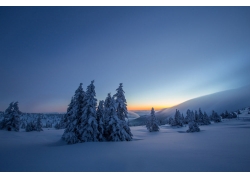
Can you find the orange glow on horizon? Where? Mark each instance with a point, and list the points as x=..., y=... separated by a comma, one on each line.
x=141, y=108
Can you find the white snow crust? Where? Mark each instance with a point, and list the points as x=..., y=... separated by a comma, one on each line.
x=223, y=147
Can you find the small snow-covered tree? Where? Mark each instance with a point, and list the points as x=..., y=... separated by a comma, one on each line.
x=48, y=124
x=200, y=117
x=226, y=114
x=222, y=115
x=152, y=124
x=71, y=134
x=31, y=126
x=183, y=120
x=192, y=124
x=23, y=125
x=188, y=116
x=196, y=116
x=170, y=120
x=88, y=126
x=177, y=121
x=234, y=115
x=215, y=117
x=39, y=124
x=11, y=120
x=206, y=119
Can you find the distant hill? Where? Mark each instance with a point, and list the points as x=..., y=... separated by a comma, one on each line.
x=230, y=100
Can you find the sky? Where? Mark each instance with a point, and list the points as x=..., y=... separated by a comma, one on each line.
x=162, y=55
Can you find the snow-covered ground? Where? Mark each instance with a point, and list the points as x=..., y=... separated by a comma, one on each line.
x=222, y=146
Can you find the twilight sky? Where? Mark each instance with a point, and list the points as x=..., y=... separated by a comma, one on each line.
x=162, y=55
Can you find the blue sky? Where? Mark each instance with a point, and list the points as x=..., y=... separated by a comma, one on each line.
x=162, y=55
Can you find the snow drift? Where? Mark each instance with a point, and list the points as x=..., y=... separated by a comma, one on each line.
x=219, y=147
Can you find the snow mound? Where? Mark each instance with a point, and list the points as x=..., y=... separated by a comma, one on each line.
x=230, y=100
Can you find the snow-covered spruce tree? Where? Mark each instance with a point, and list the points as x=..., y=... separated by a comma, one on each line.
x=31, y=126
x=196, y=116
x=183, y=119
x=200, y=117
x=88, y=126
x=177, y=119
x=216, y=117
x=71, y=134
x=11, y=121
x=39, y=124
x=206, y=119
x=61, y=124
x=152, y=124
x=6, y=116
x=234, y=115
x=170, y=121
x=192, y=124
x=100, y=120
x=121, y=109
x=226, y=115
x=114, y=130
x=48, y=124
x=222, y=115
x=121, y=103
x=188, y=116
x=68, y=116
x=23, y=125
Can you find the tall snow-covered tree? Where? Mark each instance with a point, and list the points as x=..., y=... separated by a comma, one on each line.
x=121, y=109
x=114, y=130
x=68, y=116
x=121, y=103
x=88, y=126
x=11, y=120
x=100, y=120
x=71, y=134
x=152, y=124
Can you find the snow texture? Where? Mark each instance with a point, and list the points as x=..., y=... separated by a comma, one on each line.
x=219, y=147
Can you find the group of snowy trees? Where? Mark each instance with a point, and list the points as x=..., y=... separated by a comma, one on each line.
x=228, y=115
x=193, y=119
x=11, y=120
x=85, y=122
x=34, y=125
x=199, y=117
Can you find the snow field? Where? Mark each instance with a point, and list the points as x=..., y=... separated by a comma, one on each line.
x=222, y=147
